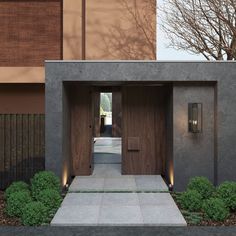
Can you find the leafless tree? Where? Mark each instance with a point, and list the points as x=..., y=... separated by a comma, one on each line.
x=206, y=27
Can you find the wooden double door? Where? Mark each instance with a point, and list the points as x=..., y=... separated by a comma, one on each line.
x=142, y=129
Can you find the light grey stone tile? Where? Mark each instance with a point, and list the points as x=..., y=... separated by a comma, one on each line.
x=113, y=170
x=99, y=170
x=76, y=215
x=162, y=215
x=155, y=199
x=82, y=199
x=86, y=184
x=120, y=184
x=120, y=215
x=107, y=170
x=120, y=199
x=107, y=158
x=150, y=183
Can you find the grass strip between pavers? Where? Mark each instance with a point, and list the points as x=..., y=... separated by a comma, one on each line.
x=117, y=191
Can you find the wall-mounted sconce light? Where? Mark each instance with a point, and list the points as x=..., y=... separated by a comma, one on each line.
x=195, y=117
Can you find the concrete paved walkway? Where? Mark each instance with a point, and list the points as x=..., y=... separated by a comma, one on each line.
x=109, y=198
x=107, y=178
x=127, y=209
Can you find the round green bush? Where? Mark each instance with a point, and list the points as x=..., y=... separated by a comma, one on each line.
x=191, y=200
x=50, y=198
x=16, y=187
x=16, y=202
x=215, y=209
x=44, y=180
x=201, y=185
x=227, y=192
x=34, y=214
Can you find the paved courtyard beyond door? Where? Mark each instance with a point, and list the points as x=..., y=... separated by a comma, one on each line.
x=109, y=198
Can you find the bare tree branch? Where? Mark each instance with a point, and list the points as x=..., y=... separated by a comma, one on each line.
x=206, y=27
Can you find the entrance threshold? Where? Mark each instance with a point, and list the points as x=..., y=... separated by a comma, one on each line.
x=107, y=178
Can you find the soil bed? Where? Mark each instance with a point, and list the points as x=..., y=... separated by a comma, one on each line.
x=4, y=219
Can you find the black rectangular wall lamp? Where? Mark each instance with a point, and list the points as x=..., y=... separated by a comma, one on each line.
x=195, y=117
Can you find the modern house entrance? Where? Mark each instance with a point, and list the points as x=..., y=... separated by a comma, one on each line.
x=209, y=153
x=139, y=117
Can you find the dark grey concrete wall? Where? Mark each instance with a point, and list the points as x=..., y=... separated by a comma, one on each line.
x=193, y=153
x=222, y=73
x=67, y=157
x=169, y=167
x=53, y=126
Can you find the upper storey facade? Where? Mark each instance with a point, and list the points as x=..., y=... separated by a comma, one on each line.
x=37, y=30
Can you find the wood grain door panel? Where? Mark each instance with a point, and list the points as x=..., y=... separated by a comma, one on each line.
x=143, y=130
x=82, y=130
x=116, y=112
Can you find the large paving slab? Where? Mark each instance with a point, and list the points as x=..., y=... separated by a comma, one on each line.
x=108, y=177
x=127, y=209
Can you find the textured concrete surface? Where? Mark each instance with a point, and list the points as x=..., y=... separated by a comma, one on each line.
x=195, y=152
x=220, y=74
x=107, y=177
x=118, y=231
x=118, y=209
x=107, y=150
x=109, y=198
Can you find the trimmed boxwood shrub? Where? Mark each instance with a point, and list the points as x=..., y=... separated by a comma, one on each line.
x=16, y=202
x=202, y=185
x=16, y=187
x=34, y=213
x=227, y=192
x=44, y=180
x=215, y=209
x=50, y=198
x=191, y=200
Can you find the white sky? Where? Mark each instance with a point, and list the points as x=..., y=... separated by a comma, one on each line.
x=165, y=53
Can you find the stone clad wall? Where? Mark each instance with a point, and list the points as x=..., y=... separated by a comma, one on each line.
x=214, y=151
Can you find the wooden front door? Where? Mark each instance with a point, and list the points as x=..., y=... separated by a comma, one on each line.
x=82, y=129
x=143, y=130
x=116, y=112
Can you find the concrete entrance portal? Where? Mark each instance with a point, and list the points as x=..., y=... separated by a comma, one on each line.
x=139, y=114
x=210, y=153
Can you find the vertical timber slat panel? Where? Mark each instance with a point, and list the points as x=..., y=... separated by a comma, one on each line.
x=96, y=106
x=22, y=146
x=19, y=145
x=116, y=113
x=31, y=142
x=41, y=140
x=2, y=149
x=36, y=138
x=25, y=144
x=7, y=148
x=13, y=148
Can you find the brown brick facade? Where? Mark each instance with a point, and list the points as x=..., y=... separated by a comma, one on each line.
x=30, y=32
